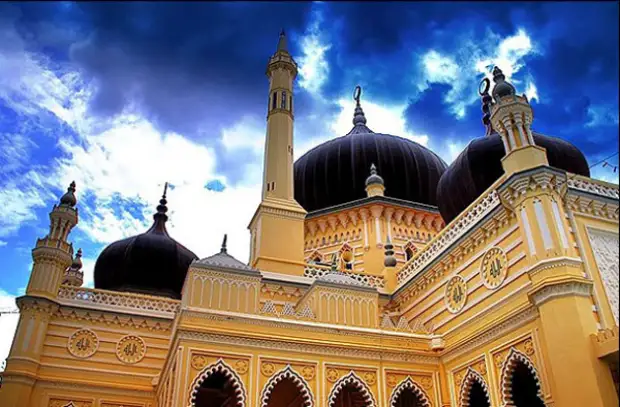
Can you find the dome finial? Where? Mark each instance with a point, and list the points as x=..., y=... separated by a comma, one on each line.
x=483, y=90
x=502, y=88
x=358, y=117
x=69, y=199
x=76, y=265
x=223, y=249
x=161, y=217
x=374, y=178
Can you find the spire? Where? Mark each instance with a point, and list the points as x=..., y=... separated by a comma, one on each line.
x=69, y=199
x=374, y=178
x=282, y=45
x=389, y=260
x=502, y=88
x=77, y=261
x=359, y=119
x=160, y=216
x=483, y=90
x=223, y=249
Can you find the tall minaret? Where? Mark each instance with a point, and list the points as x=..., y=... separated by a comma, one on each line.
x=277, y=227
x=53, y=254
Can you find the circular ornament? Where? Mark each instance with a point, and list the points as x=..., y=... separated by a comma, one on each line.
x=332, y=375
x=456, y=294
x=494, y=268
x=267, y=369
x=484, y=86
x=308, y=372
x=83, y=343
x=130, y=349
x=241, y=366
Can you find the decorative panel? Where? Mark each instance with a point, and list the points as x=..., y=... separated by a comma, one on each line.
x=605, y=247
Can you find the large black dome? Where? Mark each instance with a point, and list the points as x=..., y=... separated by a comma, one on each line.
x=335, y=172
x=149, y=263
x=479, y=165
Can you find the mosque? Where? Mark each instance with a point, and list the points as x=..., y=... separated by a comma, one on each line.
x=378, y=276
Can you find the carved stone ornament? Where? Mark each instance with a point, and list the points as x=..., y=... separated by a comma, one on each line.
x=83, y=343
x=370, y=378
x=130, y=349
x=528, y=346
x=494, y=267
x=605, y=247
x=426, y=382
x=198, y=361
x=307, y=372
x=69, y=403
x=391, y=380
x=332, y=375
x=241, y=366
x=267, y=369
x=456, y=294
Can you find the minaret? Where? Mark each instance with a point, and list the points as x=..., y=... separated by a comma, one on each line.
x=74, y=274
x=511, y=116
x=277, y=227
x=53, y=254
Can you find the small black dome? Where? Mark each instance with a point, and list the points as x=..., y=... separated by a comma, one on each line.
x=335, y=172
x=69, y=199
x=479, y=165
x=149, y=263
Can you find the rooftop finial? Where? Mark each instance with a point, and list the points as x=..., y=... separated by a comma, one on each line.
x=69, y=199
x=77, y=261
x=483, y=90
x=374, y=178
x=282, y=46
x=502, y=88
x=224, y=250
x=162, y=208
x=358, y=117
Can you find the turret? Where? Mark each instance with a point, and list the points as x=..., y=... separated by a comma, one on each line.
x=74, y=274
x=374, y=183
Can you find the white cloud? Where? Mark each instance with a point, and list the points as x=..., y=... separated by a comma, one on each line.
x=312, y=64
x=602, y=115
x=247, y=133
x=461, y=70
x=3, y=243
x=8, y=324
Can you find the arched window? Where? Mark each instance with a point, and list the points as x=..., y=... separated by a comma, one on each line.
x=409, y=394
x=290, y=103
x=283, y=101
x=218, y=386
x=287, y=389
x=274, y=100
x=350, y=391
x=525, y=388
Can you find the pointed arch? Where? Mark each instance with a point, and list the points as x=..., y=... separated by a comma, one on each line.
x=219, y=367
x=508, y=367
x=468, y=381
x=358, y=383
x=300, y=383
x=315, y=257
x=410, y=250
x=409, y=384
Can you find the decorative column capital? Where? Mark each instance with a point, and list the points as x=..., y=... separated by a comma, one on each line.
x=376, y=211
x=364, y=214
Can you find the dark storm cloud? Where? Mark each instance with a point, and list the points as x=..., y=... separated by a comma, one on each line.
x=185, y=65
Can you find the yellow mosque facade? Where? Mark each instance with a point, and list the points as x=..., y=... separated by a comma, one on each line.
x=378, y=276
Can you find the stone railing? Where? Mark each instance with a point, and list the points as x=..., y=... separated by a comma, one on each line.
x=450, y=234
x=315, y=271
x=105, y=300
x=593, y=187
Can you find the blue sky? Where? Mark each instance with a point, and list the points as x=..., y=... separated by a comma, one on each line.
x=122, y=97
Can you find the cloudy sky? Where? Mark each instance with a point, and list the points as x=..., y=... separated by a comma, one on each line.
x=122, y=97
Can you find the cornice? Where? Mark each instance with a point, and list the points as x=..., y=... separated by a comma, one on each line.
x=551, y=288
x=544, y=178
x=321, y=349
x=593, y=187
x=370, y=201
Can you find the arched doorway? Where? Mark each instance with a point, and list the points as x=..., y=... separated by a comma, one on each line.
x=520, y=382
x=409, y=394
x=218, y=386
x=474, y=391
x=286, y=389
x=351, y=391
x=525, y=388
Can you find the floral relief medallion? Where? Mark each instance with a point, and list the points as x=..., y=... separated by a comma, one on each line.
x=456, y=294
x=130, y=349
x=482, y=368
x=426, y=382
x=499, y=360
x=332, y=375
x=198, y=362
x=391, y=380
x=494, y=267
x=241, y=366
x=370, y=378
x=267, y=369
x=307, y=372
x=528, y=346
x=83, y=343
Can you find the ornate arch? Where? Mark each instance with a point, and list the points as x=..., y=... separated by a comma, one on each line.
x=414, y=387
x=288, y=373
x=351, y=378
x=515, y=356
x=470, y=377
x=219, y=367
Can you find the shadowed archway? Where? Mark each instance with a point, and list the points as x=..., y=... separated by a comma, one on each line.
x=409, y=394
x=351, y=391
x=218, y=386
x=474, y=391
x=287, y=389
x=521, y=386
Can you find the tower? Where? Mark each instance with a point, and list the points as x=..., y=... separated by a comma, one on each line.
x=511, y=116
x=53, y=254
x=277, y=228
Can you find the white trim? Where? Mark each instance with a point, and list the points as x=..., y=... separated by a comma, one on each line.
x=560, y=224
x=528, y=232
x=542, y=225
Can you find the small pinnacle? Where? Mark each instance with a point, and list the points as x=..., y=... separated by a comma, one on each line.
x=68, y=199
x=224, y=250
x=373, y=169
x=282, y=46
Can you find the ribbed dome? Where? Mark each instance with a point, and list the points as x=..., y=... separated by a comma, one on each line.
x=479, y=166
x=149, y=263
x=335, y=172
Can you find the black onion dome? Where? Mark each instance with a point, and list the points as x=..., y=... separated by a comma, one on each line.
x=335, y=172
x=149, y=263
x=69, y=199
x=479, y=165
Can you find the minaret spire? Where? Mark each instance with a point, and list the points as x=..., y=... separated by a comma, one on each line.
x=359, y=118
x=282, y=43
